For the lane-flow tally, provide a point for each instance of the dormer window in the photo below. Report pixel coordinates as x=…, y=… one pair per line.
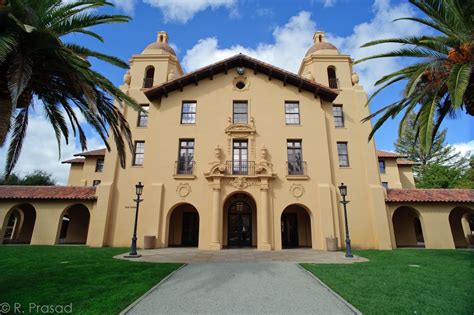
x=149, y=75
x=333, y=82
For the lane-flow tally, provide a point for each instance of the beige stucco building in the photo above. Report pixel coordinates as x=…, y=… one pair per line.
x=242, y=154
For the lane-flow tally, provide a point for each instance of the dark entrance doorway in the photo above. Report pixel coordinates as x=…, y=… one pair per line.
x=190, y=235
x=239, y=225
x=289, y=230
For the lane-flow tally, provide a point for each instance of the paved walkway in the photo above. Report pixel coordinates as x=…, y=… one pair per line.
x=241, y=288
x=194, y=255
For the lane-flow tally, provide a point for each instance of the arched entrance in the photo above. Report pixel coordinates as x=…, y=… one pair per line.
x=461, y=220
x=184, y=226
x=240, y=221
x=19, y=224
x=407, y=228
x=74, y=225
x=295, y=227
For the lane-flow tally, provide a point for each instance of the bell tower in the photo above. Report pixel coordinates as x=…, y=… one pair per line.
x=324, y=64
x=156, y=64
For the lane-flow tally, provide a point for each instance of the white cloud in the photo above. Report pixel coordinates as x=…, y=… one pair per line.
x=126, y=5
x=380, y=26
x=40, y=150
x=328, y=3
x=464, y=147
x=290, y=44
x=183, y=10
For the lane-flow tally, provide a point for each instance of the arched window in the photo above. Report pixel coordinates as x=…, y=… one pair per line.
x=333, y=82
x=149, y=74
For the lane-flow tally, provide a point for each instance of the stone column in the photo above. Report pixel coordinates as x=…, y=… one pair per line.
x=215, y=216
x=263, y=243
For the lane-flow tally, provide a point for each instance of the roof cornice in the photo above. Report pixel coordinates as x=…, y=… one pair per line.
x=241, y=60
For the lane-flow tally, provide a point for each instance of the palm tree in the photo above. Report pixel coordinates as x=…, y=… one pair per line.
x=441, y=81
x=35, y=63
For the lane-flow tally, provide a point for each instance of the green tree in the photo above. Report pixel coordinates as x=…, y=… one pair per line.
x=35, y=62
x=439, y=176
x=440, y=81
x=36, y=178
x=408, y=144
x=467, y=181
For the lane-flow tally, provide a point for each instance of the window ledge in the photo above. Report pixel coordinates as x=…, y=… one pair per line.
x=184, y=176
x=297, y=177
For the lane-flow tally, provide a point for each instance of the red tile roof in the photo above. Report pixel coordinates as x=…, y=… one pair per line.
x=47, y=192
x=386, y=154
x=405, y=162
x=430, y=195
x=98, y=152
x=74, y=161
x=251, y=64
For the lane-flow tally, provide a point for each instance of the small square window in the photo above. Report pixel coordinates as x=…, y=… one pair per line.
x=143, y=116
x=292, y=113
x=343, y=154
x=385, y=185
x=99, y=165
x=139, y=153
x=188, y=113
x=96, y=182
x=338, y=115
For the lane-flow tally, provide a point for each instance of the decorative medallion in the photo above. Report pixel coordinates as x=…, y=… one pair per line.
x=240, y=183
x=183, y=190
x=297, y=190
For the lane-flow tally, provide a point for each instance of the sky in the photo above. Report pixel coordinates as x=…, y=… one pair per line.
x=274, y=31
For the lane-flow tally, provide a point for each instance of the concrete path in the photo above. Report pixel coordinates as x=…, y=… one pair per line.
x=241, y=288
x=194, y=255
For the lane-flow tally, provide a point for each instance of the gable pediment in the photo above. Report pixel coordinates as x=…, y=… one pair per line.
x=257, y=66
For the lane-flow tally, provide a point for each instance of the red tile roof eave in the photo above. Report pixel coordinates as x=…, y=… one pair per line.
x=430, y=195
x=98, y=152
x=47, y=193
x=240, y=60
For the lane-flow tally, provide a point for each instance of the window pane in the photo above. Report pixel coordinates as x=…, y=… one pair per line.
x=342, y=154
x=188, y=113
x=382, y=166
x=338, y=115
x=240, y=113
x=292, y=113
x=143, y=116
x=139, y=153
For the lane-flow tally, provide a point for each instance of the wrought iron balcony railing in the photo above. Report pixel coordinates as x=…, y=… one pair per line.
x=184, y=167
x=240, y=168
x=148, y=82
x=296, y=168
x=334, y=83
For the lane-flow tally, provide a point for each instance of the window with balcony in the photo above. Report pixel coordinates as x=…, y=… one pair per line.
x=338, y=115
x=295, y=157
x=99, y=165
x=188, y=112
x=185, y=163
x=382, y=166
x=149, y=75
x=333, y=81
x=240, y=163
x=143, y=116
x=138, y=153
x=343, y=154
x=240, y=112
x=292, y=113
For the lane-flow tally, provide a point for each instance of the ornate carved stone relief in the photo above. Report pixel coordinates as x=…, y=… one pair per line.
x=183, y=190
x=297, y=190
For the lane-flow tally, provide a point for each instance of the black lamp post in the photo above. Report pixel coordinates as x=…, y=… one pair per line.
x=133, y=249
x=343, y=191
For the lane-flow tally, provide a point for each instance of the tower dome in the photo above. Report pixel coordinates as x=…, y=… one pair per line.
x=320, y=46
x=160, y=46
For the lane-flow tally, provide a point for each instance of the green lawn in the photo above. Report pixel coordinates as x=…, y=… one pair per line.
x=89, y=278
x=442, y=284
